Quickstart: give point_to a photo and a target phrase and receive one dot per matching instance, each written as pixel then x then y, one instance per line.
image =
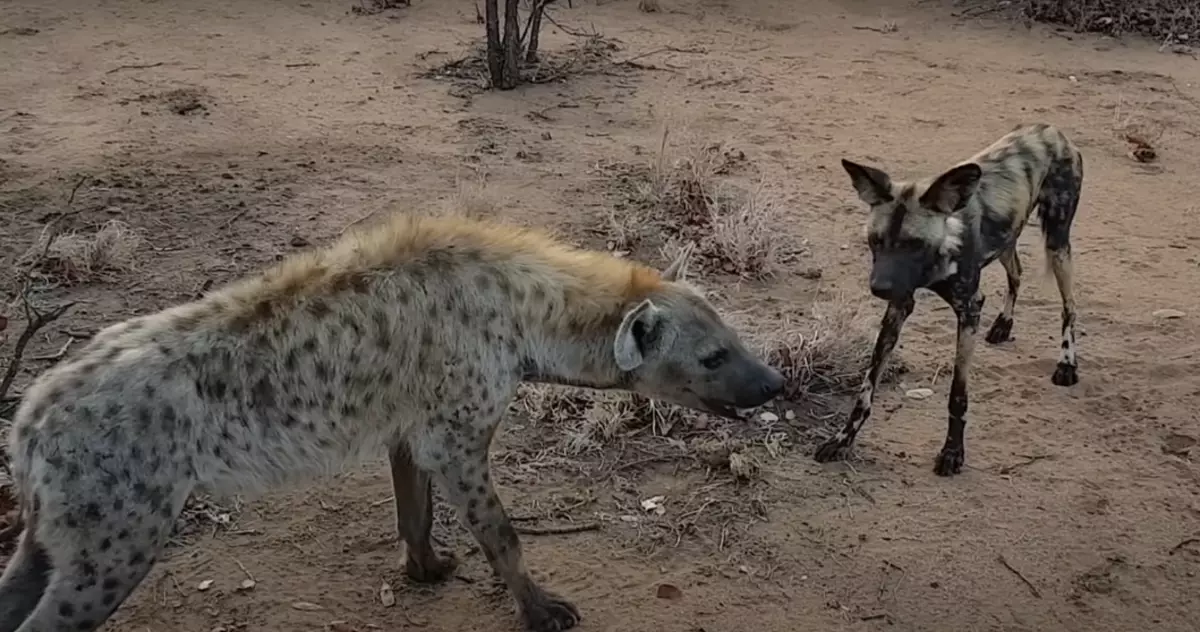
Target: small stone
pixel 768 417
pixel 305 606
pixel 299 242
pixel 205 585
pixel 386 596
pixel 247 584
pixel 918 393
pixel 789 415
pixel 812 273
pixel 1168 314
pixel 669 591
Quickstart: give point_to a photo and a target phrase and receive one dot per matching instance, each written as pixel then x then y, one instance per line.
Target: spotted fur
pixel 409 339
pixel 940 232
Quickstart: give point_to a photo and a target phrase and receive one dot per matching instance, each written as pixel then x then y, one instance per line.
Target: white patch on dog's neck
pixel 952 240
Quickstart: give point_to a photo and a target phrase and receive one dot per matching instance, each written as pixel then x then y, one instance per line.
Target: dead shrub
pixel 76 257
pixel 1165 20
pixel 691 199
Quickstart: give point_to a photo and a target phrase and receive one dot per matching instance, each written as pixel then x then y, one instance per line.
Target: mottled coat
pixel 940 232
pixel 409 339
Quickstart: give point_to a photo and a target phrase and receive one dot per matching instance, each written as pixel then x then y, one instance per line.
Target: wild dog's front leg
pixel 885 342
pixel 953 454
pixel 459 454
pixel 414 519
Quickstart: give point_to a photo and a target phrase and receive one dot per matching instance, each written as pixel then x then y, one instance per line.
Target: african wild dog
pixel 938 233
pixel 413 336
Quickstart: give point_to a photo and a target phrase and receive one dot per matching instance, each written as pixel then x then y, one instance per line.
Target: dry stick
pixel 1185 542
pixel 35 321
pixel 133 67
pixel 1033 589
pixel 558 530
pixel 666 49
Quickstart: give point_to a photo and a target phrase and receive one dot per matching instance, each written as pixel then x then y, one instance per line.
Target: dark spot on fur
pixel 66 610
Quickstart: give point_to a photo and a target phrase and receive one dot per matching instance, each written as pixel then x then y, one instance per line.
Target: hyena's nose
pixel 773 385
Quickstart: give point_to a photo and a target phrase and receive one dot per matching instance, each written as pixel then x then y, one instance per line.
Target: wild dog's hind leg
pixel 885 342
pixel 953 455
pixel 457 450
pixel 1001 329
pixel 1057 203
pixel 414 519
pixel 1067 371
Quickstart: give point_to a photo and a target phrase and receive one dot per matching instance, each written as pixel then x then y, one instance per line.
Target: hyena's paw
pixel 1001 330
pixel 950 461
pixel 550 613
pixel 1065 375
pixel 438 568
pixel 832 450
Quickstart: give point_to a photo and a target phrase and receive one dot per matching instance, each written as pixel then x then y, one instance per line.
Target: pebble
pixel 919 393
pixel 1168 314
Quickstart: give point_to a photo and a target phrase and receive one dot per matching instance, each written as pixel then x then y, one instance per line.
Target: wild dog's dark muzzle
pixel 897 275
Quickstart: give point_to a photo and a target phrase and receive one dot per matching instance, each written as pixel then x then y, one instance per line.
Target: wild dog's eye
pixel 715 359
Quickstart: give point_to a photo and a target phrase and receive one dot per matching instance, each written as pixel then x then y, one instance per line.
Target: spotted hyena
pixel 412 336
pixel 939 233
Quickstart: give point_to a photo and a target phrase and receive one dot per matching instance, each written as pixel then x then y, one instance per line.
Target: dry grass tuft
pixel 691 198
pixel 75 257
pixel 649 6
pixel 1139 132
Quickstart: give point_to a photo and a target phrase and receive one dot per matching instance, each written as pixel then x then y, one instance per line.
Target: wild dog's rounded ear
pixel 638 329
pixel 873 186
pixel 952 189
pixel 677 271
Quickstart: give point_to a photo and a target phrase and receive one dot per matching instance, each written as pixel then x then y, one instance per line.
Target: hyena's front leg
pixel 414 519
pixel 885 342
pixel 458 453
pixel 953 454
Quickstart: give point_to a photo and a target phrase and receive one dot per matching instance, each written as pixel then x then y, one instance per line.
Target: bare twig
pixel 666 49
pixel 558 529
pixel 1032 589
pixel 55 356
pixel 1029 460
pixel 1183 544
pixel 133 67
pixel 35 320
pixel 305 64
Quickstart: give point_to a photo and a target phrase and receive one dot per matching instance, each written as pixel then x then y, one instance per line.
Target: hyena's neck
pixel 574 347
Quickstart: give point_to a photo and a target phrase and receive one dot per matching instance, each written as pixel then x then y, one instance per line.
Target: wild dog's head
pixel 675 347
pixel 915 229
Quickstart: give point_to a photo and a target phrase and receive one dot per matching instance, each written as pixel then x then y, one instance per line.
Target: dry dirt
pixel 231 133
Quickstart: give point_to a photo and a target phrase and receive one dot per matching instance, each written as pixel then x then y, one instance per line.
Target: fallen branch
pixel 558 529
pixel 133 67
pixel 1032 589
pixel 34 320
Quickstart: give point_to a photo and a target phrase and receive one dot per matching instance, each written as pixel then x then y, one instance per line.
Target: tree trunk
pixel 510 70
pixel 535 27
pixel 495 55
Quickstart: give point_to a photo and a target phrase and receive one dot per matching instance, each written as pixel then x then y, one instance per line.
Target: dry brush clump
pixel 81 257
pixel 691 197
pixel 1165 20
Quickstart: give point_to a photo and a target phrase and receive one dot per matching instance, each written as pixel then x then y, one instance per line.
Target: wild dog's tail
pixel 24 580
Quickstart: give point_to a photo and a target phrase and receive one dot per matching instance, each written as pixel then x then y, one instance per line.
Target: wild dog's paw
pixel 1065 375
pixel 1001 330
pixel 950 461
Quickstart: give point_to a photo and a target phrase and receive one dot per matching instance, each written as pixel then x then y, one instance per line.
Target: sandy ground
pixel 230 133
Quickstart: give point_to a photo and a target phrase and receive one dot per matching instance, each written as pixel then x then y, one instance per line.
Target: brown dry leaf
pixel 669 591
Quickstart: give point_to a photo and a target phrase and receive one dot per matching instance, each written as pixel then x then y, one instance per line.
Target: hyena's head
pixel 915 230
pixel 675 347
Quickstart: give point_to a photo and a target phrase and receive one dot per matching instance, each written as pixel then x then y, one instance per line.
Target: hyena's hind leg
pixel 99 547
pixel 1001 330
pixel 23 583
pixel 1057 202
pixel 414 519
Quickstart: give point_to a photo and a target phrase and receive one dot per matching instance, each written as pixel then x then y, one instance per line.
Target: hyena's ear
pixel 678 268
pixel 952 189
pixel 639 330
pixel 873 185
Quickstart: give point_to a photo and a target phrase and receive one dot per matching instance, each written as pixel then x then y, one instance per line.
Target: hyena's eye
pixel 715 359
